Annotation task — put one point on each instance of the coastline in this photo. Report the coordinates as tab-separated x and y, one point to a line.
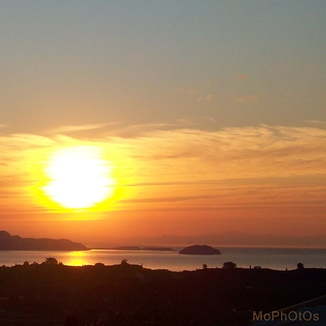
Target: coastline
278	259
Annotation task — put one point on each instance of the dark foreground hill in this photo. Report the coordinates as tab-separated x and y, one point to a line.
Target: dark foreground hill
15	242
54	294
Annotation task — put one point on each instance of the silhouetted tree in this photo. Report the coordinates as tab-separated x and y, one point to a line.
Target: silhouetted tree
257	267
51	261
229	265
300	266
124	262
26	263
204	266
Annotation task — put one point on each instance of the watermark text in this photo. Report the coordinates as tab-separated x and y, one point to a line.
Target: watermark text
286	316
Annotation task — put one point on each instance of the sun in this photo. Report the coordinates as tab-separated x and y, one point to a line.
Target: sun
78	177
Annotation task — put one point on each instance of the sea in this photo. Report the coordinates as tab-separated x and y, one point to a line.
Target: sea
273	258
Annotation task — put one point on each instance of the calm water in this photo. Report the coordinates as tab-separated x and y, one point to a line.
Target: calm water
243	257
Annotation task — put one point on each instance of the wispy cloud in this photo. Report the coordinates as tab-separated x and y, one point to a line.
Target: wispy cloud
241	77
139	130
266	143
72	128
205	98
247	99
187	90
317	122
247	167
157	163
208	119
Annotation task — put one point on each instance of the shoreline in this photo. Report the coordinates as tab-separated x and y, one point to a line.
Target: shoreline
277	259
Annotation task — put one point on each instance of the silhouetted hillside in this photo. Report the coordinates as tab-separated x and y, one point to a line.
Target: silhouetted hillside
15	242
55	294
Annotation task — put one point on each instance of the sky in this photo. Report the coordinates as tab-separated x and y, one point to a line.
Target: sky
211	115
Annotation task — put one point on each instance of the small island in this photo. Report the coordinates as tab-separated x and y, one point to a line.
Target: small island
199	250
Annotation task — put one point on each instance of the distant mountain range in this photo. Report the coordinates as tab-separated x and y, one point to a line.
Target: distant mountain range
237	239
15	242
137	248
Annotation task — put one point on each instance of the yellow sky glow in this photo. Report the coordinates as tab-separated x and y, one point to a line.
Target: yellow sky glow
161	177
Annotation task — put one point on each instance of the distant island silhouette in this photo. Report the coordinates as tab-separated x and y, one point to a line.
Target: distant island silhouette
143	248
235	238
15	242
199	250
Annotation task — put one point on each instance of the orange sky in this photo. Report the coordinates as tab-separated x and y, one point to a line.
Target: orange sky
183	181
209	116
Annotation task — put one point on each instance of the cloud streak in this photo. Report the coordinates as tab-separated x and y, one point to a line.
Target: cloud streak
205	98
234	167
247	99
241	77
72	128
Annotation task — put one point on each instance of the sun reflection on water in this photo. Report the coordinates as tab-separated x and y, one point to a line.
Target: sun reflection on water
77	258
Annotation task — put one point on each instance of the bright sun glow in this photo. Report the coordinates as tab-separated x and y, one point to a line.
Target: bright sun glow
78	177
